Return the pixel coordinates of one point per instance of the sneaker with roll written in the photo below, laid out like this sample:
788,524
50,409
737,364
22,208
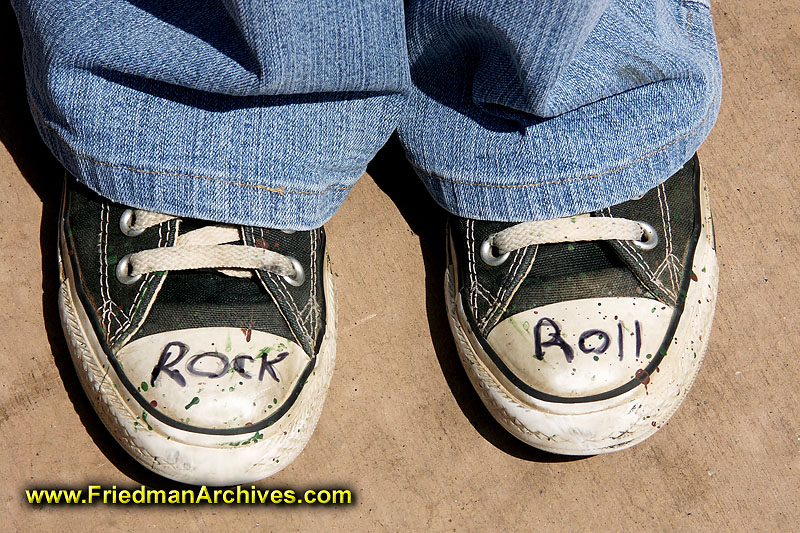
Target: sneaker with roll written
206,349
583,335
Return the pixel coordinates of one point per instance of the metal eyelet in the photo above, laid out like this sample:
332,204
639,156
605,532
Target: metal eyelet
299,274
126,224
123,269
488,257
649,238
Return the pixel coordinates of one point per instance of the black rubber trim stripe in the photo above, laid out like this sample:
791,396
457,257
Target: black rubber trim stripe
657,358
78,285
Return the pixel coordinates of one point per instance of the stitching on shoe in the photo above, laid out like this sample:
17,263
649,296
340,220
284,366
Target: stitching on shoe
471,267
103,271
667,233
107,312
637,258
653,277
484,293
139,294
501,309
266,287
310,310
674,271
515,264
508,284
577,178
281,285
278,190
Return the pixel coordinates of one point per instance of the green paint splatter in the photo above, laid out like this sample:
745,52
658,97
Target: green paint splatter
264,351
275,401
228,343
194,401
144,386
521,328
252,440
144,419
571,247
583,275
596,358
648,356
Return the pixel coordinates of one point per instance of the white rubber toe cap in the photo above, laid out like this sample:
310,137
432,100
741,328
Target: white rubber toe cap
582,347
213,378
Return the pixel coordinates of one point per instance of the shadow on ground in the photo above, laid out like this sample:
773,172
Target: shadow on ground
394,175
44,174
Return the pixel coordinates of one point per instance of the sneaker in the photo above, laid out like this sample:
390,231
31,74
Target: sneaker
583,335
206,349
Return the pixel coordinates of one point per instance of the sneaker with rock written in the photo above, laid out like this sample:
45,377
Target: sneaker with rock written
583,335
206,349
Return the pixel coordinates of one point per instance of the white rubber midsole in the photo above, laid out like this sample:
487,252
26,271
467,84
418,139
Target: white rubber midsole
615,423
187,456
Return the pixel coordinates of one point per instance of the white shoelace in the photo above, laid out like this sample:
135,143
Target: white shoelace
572,229
204,248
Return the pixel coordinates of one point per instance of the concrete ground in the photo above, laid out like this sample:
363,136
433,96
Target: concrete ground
402,427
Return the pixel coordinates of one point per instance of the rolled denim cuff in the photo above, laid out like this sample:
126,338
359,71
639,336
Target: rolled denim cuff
563,148
278,162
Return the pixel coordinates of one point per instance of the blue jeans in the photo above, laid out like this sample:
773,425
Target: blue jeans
266,112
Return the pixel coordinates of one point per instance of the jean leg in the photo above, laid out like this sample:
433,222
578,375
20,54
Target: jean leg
262,112
534,110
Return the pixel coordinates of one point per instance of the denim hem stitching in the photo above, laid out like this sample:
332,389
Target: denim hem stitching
279,190
577,178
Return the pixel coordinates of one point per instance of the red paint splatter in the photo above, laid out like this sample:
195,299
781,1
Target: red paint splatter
693,276
249,331
154,403
644,378
248,424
